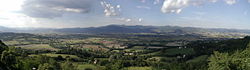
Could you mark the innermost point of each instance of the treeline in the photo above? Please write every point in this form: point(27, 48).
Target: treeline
point(208, 47)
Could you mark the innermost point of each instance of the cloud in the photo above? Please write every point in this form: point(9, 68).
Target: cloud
point(230, 2)
point(128, 20)
point(55, 8)
point(140, 19)
point(109, 9)
point(176, 6)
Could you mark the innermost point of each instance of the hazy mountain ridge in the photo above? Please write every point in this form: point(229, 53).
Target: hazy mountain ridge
point(112, 29)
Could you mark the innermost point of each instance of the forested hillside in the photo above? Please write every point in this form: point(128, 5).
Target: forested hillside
point(97, 54)
point(238, 60)
point(121, 29)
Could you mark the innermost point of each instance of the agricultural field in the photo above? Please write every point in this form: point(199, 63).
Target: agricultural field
point(107, 52)
point(38, 47)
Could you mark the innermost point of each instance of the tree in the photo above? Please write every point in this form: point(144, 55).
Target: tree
point(68, 66)
point(219, 61)
point(8, 57)
point(3, 46)
point(46, 66)
point(238, 60)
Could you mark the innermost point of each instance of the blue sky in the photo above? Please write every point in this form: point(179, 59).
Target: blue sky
point(91, 13)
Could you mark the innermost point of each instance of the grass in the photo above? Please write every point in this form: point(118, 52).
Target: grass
point(16, 42)
point(198, 59)
point(89, 66)
point(138, 68)
point(38, 47)
point(11, 42)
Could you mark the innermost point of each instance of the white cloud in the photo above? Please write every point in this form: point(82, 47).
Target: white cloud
point(174, 6)
point(9, 19)
point(10, 5)
point(55, 8)
point(128, 20)
point(118, 6)
point(140, 19)
point(230, 2)
point(68, 9)
point(110, 10)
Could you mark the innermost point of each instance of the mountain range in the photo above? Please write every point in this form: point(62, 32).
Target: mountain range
point(113, 29)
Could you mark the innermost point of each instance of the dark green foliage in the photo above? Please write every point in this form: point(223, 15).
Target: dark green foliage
point(2, 47)
point(68, 66)
point(208, 47)
point(238, 60)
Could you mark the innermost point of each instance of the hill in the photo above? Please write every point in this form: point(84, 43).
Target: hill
point(123, 29)
point(109, 29)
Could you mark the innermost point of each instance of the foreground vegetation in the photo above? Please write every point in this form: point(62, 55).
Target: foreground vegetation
point(22, 51)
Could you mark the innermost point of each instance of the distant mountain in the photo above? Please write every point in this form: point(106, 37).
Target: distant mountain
point(109, 29)
point(26, 30)
point(112, 29)
point(6, 29)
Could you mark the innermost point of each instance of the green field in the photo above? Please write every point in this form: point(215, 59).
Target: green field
point(38, 47)
point(16, 42)
point(89, 67)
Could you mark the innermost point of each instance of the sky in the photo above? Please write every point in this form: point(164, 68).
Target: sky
point(92, 13)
